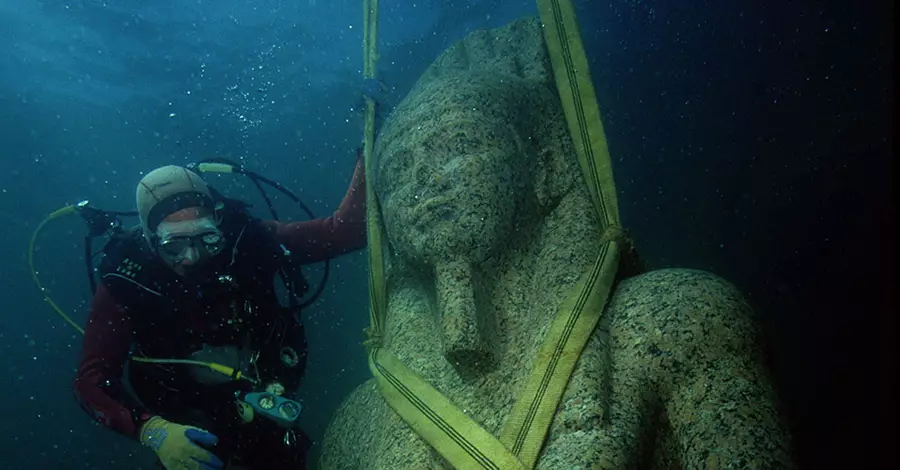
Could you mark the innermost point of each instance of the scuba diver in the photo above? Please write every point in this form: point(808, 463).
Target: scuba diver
point(192, 288)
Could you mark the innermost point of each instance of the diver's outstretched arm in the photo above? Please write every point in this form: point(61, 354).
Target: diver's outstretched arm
point(323, 238)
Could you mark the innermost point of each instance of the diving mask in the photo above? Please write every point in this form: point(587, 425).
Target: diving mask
point(189, 240)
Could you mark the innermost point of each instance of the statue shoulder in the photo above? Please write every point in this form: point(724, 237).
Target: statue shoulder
point(354, 429)
point(684, 314)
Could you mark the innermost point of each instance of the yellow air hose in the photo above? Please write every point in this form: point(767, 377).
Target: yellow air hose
point(73, 209)
point(34, 274)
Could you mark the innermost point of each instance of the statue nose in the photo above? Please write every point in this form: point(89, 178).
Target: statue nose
point(465, 319)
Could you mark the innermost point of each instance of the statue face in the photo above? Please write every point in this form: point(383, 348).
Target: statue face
point(447, 184)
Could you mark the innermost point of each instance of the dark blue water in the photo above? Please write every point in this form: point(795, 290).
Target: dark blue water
point(749, 138)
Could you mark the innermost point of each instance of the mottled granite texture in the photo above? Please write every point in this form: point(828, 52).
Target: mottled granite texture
point(490, 225)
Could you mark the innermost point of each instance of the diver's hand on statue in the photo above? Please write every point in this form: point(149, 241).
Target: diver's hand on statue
point(180, 447)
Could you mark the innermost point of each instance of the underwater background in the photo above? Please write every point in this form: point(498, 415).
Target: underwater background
point(752, 139)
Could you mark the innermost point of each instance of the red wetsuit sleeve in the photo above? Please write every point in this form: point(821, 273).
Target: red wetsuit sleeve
point(327, 237)
point(107, 341)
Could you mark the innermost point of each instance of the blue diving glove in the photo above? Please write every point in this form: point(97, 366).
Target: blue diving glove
point(180, 447)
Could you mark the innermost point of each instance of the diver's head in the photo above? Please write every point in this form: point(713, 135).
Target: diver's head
point(178, 217)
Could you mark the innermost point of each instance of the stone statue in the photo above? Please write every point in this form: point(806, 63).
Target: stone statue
point(489, 224)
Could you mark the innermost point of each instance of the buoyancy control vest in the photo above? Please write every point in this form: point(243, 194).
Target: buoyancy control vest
point(232, 301)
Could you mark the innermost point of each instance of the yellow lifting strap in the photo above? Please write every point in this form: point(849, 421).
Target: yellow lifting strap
point(459, 439)
point(373, 210)
point(526, 428)
point(454, 435)
point(573, 82)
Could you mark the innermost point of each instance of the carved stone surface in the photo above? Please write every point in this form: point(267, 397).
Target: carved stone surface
point(490, 225)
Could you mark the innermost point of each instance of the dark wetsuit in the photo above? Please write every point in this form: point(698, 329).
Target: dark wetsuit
point(160, 315)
